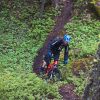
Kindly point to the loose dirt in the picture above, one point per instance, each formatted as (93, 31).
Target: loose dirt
(67, 91)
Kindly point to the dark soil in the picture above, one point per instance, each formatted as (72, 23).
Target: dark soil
(61, 20)
(67, 92)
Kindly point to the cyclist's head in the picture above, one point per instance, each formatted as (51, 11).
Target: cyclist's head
(66, 38)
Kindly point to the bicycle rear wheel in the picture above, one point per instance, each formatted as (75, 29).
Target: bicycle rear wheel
(54, 75)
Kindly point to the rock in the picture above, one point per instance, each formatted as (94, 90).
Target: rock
(98, 53)
(92, 90)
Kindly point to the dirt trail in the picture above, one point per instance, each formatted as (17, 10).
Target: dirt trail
(61, 20)
(67, 90)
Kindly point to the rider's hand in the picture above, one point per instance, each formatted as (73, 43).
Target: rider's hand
(66, 62)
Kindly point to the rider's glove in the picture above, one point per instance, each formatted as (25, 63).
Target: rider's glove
(55, 64)
(49, 53)
(66, 62)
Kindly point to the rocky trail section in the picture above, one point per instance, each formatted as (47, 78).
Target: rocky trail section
(67, 92)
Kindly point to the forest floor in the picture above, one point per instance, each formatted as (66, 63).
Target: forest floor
(67, 91)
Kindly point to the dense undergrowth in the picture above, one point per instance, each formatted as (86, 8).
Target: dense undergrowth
(85, 37)
(21, 35)
(84, 42)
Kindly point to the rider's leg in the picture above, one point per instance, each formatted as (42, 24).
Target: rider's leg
(44, 64)
(47, 59)
(56, 70)
(56, 58)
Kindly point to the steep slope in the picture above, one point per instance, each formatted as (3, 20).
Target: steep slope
(58, 28)
(92, 90)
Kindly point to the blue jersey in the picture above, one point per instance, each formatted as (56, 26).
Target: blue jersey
(56, 45)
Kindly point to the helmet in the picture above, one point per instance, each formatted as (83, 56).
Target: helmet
(67, 38)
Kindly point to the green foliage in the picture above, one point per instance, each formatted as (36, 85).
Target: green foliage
(79, 83)
(19, 42)
(14, 86)
(85, 35)
(68, 77)
(40, 27)
(94, 1)
(21, 35)
(20, 9)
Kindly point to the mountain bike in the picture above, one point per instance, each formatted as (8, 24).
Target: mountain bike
(53, 74)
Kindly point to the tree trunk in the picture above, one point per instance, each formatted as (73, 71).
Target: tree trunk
(55, 3)
(42, 4)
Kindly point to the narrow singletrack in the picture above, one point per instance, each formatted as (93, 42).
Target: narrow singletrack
(67, 91)
(61, 20)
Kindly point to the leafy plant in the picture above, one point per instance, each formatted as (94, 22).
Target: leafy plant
(24, 86)
(85, 36)
(20, 38)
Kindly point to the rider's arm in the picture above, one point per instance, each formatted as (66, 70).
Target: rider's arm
(66, 54)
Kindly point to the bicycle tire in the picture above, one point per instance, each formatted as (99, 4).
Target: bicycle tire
(54, 75)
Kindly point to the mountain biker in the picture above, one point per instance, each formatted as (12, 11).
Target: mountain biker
(54, 48)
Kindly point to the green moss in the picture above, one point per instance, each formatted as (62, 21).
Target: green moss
(85, 36)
